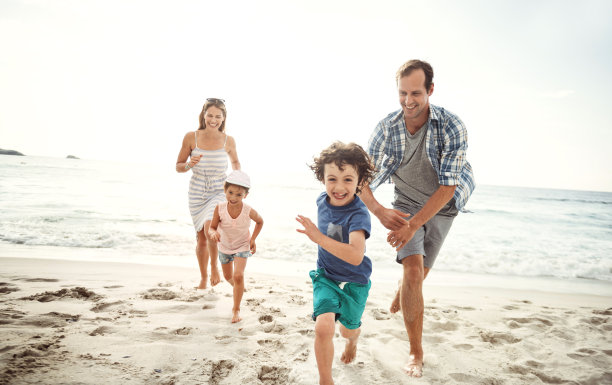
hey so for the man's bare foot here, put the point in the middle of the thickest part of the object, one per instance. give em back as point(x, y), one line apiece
point(350, 350)
point(202, 284)
point(395, 305)
point(214, 277)
point(236, 316)
point(414, 367)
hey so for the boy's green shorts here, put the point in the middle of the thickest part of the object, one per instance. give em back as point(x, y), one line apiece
point(347, 302)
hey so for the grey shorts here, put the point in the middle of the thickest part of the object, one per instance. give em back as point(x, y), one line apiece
point(227, 258)
point(428, 240)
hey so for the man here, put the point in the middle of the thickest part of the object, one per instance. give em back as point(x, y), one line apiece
point(421, 148)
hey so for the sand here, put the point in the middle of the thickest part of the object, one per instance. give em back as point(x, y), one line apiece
point(67, 322)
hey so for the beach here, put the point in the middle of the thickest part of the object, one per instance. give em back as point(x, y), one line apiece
point(78, 322)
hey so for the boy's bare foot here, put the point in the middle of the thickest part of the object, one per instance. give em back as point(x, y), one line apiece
point(350, 350)
point(414, 367)
point(214, 277)
point(236, 316)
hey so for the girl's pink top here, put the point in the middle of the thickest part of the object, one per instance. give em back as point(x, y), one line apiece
point(235, 235)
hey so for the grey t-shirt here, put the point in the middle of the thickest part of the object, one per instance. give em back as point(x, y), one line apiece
point(416, 180)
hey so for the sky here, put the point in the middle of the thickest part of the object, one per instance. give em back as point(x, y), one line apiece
point(125, 80)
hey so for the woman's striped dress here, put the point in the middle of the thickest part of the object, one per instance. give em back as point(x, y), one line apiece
point(206, 185)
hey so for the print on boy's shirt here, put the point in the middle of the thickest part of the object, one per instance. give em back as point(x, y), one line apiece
point(334, 232)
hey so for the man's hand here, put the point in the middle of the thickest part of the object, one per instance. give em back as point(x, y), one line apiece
point(399, 238)
point(392, 219)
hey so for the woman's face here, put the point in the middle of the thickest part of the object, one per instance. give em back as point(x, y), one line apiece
point(213, 118)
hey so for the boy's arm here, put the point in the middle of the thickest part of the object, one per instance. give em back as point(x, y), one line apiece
point(258, 225)
point(212, 231)
point(351, 252)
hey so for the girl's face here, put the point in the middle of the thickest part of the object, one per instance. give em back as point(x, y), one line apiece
point(341, 186)
point(235, 195)
point(213, 118)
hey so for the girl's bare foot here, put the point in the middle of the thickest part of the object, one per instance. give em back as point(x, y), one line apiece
point(414, 367)
point(214, 277)
point(236, 316)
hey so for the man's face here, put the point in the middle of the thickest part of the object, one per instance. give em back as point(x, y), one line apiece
point(413, 96)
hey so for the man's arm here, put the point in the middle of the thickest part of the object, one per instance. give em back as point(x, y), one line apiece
point(398, 238)
point(390, 218)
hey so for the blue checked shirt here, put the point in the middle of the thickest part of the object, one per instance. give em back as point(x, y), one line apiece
point(445, 143)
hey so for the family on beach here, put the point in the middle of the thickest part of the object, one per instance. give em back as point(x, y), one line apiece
point(421, 148)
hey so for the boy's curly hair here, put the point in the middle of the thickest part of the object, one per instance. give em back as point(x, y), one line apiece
point(342, 154)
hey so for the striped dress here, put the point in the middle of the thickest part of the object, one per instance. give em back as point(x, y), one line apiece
point(206, 185)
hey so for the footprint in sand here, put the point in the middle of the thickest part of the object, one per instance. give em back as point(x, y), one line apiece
point(6, 288)
point(498, 338)
point(220, 370)
point(76, 292)
point(184, 331)
point(266, 318)
point(538, 324)
point(102, 330)
point(463, 346)
point(380, 314)
point(273, 375)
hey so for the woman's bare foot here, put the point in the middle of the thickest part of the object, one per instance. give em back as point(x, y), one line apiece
point(236, 316)
point(350, 350)
point(214, 277)
point(414, 367)
point(203, 283)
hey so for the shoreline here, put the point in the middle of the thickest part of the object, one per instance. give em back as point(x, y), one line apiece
point(274, 267)
point(77, 322)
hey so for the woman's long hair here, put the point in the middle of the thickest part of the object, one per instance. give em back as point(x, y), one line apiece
point(210, 103)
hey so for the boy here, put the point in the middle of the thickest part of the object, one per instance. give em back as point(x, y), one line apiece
point(342, 280)
point(230, 229)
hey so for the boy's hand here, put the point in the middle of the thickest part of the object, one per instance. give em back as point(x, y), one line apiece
point(310, 229)
point(253, 246)
point(214, 235)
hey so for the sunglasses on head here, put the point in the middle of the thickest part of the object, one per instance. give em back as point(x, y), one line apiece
point(215, 100)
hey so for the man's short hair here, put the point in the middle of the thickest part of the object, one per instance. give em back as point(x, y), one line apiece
point(411, 65)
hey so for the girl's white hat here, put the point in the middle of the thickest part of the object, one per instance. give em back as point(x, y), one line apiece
point(239, 178)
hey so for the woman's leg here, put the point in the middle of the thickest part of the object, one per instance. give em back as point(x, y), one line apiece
point(202, 255)
point(214, 256)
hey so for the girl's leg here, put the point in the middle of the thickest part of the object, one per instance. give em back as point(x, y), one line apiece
point(325, 328)
point(228, 272)
point(239, 266)
point(214, 256)
point(202, 255)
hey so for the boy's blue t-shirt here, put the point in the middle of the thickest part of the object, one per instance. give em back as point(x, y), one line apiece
point(337, 222)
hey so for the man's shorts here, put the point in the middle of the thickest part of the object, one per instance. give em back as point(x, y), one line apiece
point(346, 299)
point(427, 240)
point(227, 258)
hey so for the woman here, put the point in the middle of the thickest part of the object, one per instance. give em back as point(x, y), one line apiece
point(204, 153)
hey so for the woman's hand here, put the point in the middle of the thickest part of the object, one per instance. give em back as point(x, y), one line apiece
point(194, 160)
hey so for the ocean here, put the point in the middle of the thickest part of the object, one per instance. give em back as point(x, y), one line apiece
point(124, 212)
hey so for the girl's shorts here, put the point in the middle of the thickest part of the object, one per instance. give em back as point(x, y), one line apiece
point(346, 299)
point(227, 258)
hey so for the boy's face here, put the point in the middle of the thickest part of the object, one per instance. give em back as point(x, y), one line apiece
point(235, 195)
point(340, 186)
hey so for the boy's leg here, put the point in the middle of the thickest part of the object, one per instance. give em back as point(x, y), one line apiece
point(350, 350)
point(239, 266)
point(202, 255)
point(213, 252)
point(325, 328)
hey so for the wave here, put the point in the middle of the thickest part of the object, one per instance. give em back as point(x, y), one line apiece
point(574, 200)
